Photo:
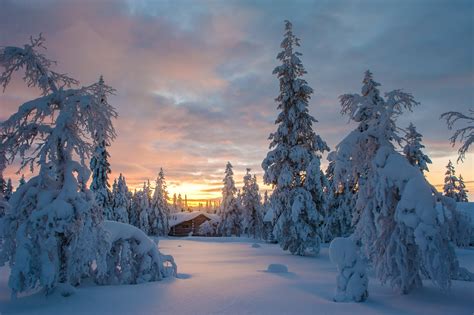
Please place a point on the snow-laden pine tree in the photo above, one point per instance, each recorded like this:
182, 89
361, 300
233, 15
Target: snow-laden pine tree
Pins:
464, 135
52, 231
230, 223
252, 212
134, 209
144, 200
100, 165
295, 151
341, 202
120, 200
400, 229
413, 149
450, 182
461, 190
160, 207
8, 189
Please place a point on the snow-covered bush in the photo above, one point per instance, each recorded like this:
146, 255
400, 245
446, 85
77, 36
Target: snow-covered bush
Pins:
133, 257
352, 280
292, 164
208, 228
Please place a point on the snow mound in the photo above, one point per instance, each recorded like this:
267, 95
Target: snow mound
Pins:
255, 245
352, 280
277, 268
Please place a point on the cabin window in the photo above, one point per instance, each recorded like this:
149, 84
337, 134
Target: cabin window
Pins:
185, 226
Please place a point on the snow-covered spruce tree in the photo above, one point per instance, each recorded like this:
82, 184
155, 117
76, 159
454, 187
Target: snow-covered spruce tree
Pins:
120, 200
461, 190
160, 207
399, 226
450, 182
100, 165
134, 210
144, 198
413, 149
295, 151
230, 223
341, 202
464, 135
52, 231
252, 213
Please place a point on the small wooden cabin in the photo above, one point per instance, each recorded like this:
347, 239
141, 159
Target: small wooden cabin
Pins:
189, 223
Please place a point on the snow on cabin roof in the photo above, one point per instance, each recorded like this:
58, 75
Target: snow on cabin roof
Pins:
180, 217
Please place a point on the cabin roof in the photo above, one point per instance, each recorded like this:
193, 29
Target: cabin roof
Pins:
180, 217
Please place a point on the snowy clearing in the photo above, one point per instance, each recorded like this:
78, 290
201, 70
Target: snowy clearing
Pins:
228, 276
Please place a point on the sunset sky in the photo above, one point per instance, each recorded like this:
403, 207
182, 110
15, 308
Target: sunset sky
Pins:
194, 78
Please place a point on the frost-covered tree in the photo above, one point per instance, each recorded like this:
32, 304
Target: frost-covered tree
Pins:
144, 207
464, 135
8, 189
294, 153
252, 212
52, 231
450, 182
413, 149
120, 200
100, 165
401, 231
134, 210
461, 190
160, 207
341, 202
230, 223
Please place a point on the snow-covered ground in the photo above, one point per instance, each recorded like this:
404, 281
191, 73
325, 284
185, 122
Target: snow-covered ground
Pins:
229, 276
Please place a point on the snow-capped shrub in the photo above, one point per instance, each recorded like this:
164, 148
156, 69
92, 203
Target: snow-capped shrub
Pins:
352, 280
133, 257
208, 228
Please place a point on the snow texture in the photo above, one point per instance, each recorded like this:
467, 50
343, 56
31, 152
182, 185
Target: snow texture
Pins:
352, 279
277, 268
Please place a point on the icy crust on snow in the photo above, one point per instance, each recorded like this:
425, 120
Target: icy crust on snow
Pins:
134, 257
352, 280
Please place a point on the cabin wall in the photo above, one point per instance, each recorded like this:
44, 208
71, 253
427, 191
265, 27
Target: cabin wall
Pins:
187, 227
